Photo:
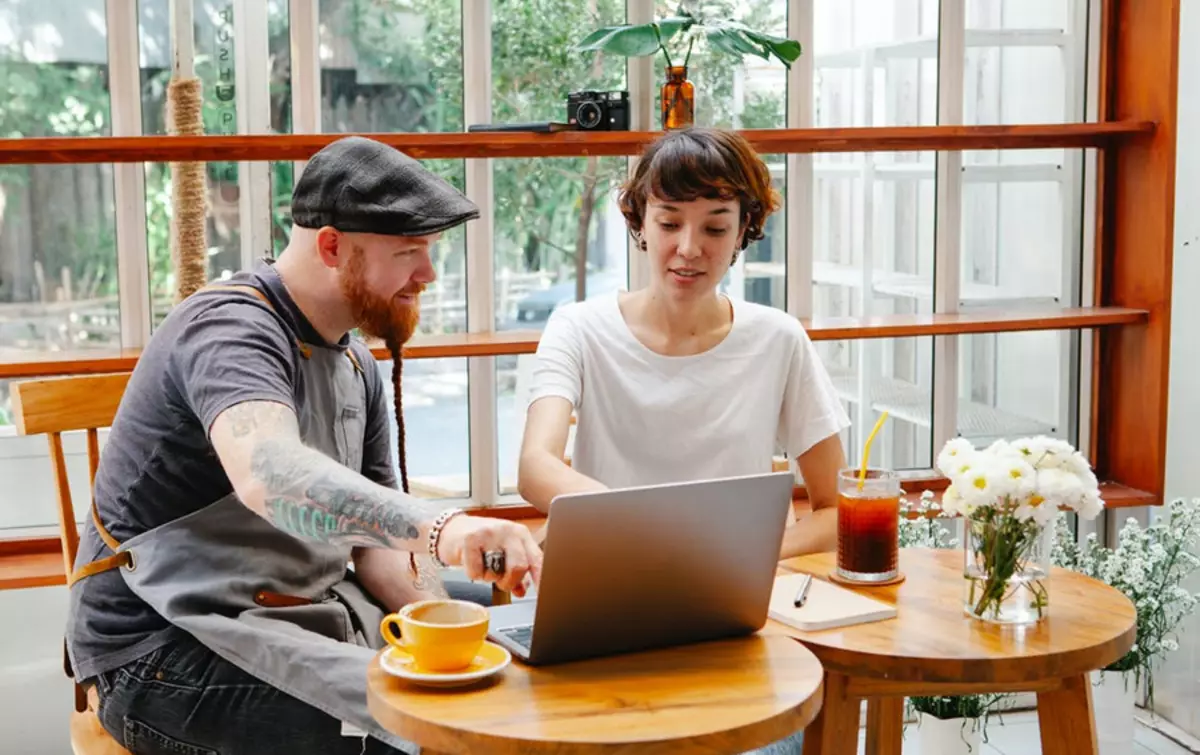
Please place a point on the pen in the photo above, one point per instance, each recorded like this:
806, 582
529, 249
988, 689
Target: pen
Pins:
802, 593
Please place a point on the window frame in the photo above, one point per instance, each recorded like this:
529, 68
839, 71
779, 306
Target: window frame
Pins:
253, 93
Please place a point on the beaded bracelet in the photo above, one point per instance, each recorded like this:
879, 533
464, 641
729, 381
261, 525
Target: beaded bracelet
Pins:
435, 534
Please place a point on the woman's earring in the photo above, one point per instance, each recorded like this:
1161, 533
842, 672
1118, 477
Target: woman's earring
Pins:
641, 241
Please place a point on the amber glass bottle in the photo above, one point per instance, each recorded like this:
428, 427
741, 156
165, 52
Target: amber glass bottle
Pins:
678, 99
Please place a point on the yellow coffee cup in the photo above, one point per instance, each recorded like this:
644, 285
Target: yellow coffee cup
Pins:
440, 635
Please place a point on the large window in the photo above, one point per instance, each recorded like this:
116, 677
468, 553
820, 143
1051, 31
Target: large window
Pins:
860, 234
58, 253
58, 266
875, 64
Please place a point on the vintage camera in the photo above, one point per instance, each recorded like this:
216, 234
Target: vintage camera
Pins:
598, 111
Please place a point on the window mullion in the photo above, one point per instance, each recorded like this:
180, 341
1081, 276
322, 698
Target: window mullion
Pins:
798, 205
129, 179
252, 76
480, 263
948, 234
304, 23
639, 74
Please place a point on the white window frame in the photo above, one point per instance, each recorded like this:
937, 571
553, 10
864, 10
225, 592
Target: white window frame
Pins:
477, 96
253, 92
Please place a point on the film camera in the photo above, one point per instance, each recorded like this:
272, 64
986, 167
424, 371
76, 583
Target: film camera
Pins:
598, 111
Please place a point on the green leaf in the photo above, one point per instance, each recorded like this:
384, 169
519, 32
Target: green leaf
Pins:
629, 41
733, 42
669, 27
786, 50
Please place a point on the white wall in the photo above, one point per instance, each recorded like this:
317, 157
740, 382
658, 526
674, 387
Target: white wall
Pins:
1177, 690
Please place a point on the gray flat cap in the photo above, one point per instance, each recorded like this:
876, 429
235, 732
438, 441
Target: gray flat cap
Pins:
359, 185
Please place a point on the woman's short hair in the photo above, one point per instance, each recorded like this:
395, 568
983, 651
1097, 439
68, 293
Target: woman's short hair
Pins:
695, 163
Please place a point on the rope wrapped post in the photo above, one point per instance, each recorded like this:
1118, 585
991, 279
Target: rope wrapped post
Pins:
185, 99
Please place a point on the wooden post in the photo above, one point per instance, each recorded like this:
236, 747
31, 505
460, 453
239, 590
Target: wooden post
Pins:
183, 45
1139, 78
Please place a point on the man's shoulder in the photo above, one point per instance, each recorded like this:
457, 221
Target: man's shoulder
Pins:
221, 313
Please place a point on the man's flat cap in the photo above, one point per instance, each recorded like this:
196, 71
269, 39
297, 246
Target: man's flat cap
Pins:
359, 185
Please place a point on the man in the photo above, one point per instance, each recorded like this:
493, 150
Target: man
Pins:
249, 463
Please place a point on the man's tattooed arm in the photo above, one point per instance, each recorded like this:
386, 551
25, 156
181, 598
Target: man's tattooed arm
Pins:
304, 492
388, 576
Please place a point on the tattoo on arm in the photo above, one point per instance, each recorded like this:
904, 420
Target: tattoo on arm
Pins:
428, 579
311, 496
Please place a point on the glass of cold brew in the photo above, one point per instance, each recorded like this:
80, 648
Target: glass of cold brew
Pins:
868, 526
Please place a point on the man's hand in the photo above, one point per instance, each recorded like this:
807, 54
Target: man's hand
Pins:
465, 540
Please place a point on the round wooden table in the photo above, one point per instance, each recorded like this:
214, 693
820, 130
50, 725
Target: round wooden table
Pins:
933, 648
724, 696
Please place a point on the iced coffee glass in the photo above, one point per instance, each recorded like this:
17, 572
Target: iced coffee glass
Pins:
868, 526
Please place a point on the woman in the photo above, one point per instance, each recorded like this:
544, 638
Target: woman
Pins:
677, 382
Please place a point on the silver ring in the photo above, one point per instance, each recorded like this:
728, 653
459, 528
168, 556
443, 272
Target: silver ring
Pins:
493, 561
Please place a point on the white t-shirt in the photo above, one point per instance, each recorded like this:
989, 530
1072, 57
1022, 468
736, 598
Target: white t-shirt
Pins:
644, 418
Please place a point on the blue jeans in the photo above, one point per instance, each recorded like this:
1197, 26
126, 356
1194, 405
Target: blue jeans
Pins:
184, 699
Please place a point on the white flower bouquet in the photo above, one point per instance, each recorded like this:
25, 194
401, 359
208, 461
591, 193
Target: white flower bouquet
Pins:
1149, 565
1007, 494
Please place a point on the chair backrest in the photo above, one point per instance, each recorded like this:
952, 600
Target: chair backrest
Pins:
60, 405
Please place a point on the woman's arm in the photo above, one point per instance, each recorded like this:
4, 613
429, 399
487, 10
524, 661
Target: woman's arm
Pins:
542, 473
817, 532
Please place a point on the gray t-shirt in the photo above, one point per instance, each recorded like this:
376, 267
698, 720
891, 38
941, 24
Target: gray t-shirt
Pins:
214, 350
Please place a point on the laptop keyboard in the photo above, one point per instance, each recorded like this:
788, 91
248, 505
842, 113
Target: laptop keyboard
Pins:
522, 636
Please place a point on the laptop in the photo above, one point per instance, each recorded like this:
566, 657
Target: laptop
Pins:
648, 567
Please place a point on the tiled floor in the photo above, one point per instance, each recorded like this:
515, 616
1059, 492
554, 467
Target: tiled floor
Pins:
1017, 734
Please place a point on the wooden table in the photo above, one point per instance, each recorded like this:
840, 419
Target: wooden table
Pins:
728, 696
933, 648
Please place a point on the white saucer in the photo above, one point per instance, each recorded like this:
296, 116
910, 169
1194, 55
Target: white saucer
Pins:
492, 659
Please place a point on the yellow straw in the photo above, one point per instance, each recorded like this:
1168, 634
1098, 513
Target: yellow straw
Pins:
862, 473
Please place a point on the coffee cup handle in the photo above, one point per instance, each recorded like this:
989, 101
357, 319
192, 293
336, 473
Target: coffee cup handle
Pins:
389, 628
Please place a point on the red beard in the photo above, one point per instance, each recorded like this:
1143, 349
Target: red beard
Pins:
390, 319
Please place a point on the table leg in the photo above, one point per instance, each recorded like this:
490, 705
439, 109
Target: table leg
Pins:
885, 725
835, 729
1065, 718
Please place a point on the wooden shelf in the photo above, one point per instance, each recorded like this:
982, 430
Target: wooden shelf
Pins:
125, 149
508, 342
974, 321
494, 344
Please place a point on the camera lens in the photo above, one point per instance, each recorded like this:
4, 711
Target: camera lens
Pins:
588, 115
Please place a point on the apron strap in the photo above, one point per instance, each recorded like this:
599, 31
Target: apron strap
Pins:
305, 349
115, 561
118, 559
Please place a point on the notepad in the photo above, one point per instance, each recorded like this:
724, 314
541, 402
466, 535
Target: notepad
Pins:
828, 606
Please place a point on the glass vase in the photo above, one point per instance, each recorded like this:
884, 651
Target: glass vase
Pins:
1006, 568
678, 99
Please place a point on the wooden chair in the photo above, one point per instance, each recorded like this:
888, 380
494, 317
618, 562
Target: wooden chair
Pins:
53, 407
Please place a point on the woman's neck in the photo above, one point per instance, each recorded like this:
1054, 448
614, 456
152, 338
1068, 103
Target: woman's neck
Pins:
677, 327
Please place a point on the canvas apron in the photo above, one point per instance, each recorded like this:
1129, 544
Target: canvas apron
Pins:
279, 608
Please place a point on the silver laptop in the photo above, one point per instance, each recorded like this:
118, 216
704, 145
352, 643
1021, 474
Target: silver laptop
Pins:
646, 567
